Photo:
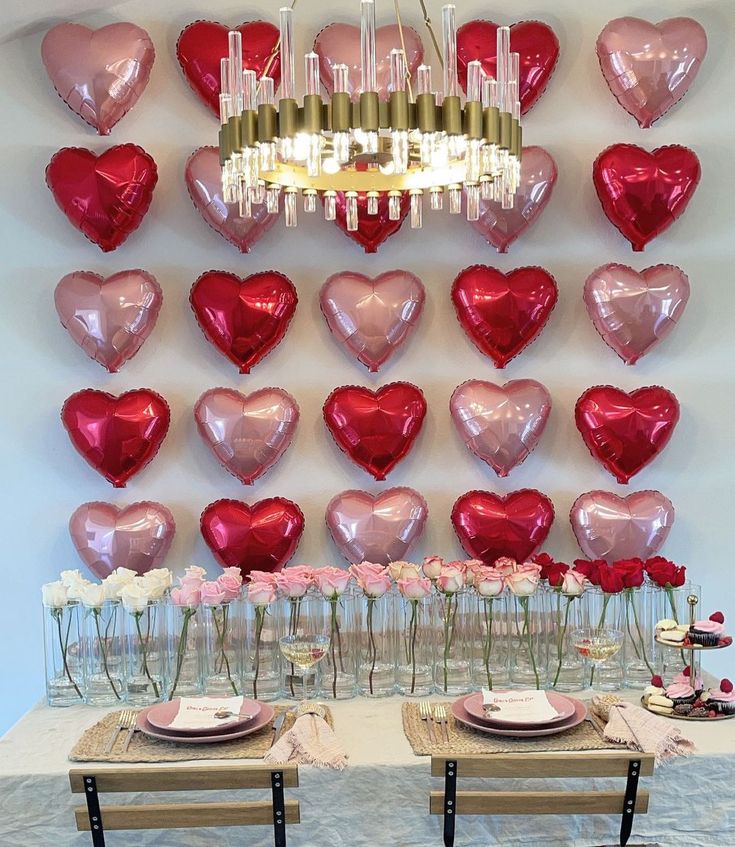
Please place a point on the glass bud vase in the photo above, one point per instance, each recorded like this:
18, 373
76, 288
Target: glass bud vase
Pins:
489, 644
526, 627
452, 642
638, 637
184, 665
221, 636
261, 656
64, 668
605, 610
338, 670
144, 634
103, 655
565, 613
376, 655
414, 671
301, 616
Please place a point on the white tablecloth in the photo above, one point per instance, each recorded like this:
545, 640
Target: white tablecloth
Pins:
380, 800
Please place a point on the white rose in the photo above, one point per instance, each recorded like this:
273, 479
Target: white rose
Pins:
113, 584
135, 595
54, 595
92, 595
126, 574
69, 578
154, 587
162, 575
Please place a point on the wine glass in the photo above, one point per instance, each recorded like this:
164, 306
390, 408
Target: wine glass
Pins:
597, 644
304, 651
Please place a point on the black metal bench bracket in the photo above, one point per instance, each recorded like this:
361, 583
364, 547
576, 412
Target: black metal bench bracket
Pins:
279, 809
450, 801
93, 810
631, 793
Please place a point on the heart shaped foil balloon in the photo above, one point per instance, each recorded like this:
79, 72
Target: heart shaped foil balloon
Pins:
534, 41
109, 318
502, 313
117, 436
258, 537
203, 44
98, 73
500, 424
500, 227
248, 433
635, 311
372, 230
339, 44
107, 196
643, 193
244, 318
376, 429
107, 536
372, 318
625, 432
650, 67
380, 528
491, 525
203, 178
611, 528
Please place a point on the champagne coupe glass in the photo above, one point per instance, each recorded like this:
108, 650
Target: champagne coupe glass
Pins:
304, 651
597, 645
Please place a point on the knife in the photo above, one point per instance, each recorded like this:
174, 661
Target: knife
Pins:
278, 727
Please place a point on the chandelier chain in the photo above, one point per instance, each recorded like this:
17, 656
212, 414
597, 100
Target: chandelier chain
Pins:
397, 6
427, 21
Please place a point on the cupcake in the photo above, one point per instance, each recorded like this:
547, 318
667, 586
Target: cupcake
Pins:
685, 678
722, 699
680, 692
708, 633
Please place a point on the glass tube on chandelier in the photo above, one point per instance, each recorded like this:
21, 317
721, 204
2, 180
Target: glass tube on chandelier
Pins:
288, 82
267, 97
229, 194
314, 143
340, 139
369, 138
351, 211
398, 137
251, 155
423, 87
511, 173
489, 151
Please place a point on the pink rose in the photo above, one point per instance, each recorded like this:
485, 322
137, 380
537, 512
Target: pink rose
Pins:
373, 579
395, 568
574, 583
489, 582
432, 566
261, 593
524, 580
302, 571
415, 587
294, 582
212, 593
263, 576
450, 580
189, 594
230, 584
331, 581
505, 565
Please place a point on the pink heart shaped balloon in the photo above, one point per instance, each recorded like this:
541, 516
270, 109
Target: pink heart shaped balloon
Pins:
98, 73
500, 424
339, 44
107, 536
109, 318
248, 433
500, 227
610, 527
378, 528
650, 67
634, 311
372, 318
204, 183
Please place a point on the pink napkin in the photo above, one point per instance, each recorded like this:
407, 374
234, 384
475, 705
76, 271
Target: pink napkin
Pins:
640, 729
310, 741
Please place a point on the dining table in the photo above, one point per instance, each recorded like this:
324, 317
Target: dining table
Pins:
381, 798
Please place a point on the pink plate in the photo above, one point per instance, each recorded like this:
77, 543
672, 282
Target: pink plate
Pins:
161, 715
463, 716
263, 718
563, 705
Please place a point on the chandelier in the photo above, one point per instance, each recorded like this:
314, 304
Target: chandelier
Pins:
427, 142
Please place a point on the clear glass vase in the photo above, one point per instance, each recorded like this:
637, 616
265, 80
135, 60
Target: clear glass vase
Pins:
64, 667
261, 656
452, 642
605, 610
301, 616
338, 671
414, 670
103, 654
376, 654
489, 642
566, 668
639, 645
672, 603
144, 634
527, 623
222, 636
184, 666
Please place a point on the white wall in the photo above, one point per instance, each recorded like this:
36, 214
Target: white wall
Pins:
45, 480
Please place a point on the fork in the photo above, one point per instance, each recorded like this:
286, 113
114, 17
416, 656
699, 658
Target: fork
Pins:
425, 714
124, 721
440, 716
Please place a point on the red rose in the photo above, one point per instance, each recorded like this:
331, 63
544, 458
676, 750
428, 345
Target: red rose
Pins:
611, 580
631, 571
665, 573
590, 568
546, 563
555, 573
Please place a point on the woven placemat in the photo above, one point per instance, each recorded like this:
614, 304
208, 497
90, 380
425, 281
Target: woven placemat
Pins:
464, 739
91, 746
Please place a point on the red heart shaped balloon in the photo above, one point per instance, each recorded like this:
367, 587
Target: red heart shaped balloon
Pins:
376, 429
244, 318
535, 42
261, 537
491, 525
105, 196
502, 313
203, 44
625, 432
117, 436
643, 193
372, 230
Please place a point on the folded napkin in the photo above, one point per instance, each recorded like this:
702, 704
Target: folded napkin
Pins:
310, 741
199, 712
641, 730
532, 706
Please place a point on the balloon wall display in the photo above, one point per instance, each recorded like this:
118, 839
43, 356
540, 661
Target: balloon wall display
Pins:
372, 318
372, 230
650, 67
98, 73
204, 183
109, 318
491, 525
376, 429
635, 311
105, 197
502, 313
258, 537
244, 318
339, 44
534, 41
500, 424
625, 432
611, 528
500, 227
378, 528
117, 436
643, 193
202, 45
136, 537
248, 433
